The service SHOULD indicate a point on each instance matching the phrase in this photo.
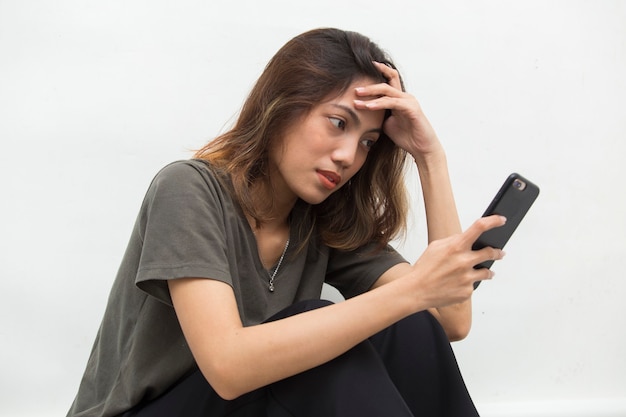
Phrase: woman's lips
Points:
(329, 179)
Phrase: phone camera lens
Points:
(519, 184)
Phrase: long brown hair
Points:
(304, 72)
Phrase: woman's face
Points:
(321, 151)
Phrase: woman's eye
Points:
(338, 123)
(368, 143)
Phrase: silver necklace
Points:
(273, 274)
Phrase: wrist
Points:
(430, 161)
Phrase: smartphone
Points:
(513, 201)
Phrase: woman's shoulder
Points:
(190, 177)
(187, 167)
(190, 171)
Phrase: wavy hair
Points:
(303, 73)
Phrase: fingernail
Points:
(360, 89)
(503, 219)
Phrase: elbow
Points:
(225, 392)
(456, 336)
(227, 395)
(455, 323)
(458, 332)
(223, 379)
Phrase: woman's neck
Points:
(275, 206)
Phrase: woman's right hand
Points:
(407, 125)
(446, 268)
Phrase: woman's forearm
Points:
(443, 221)
(237, 359)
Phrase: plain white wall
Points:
(96, 96)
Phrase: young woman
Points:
(215, 310)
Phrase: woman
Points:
(209, 314)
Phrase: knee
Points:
(299, 307)
(308, 305)
(415, 330)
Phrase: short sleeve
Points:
(354, 272)
(181, 229)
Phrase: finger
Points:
(483, 274)
(488, 254)
(391, 74)
(378, 90)
(379, 103)
(482, 225)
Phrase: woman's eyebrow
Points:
(354, 116)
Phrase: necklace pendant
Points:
(273, 274)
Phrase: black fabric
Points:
(407, 370)
(421, 363)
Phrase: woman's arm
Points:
(443, 221)
(410, 129)
(237, 359)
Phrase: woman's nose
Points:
(345, 153)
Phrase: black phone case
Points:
(512, 203)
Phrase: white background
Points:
(96, 96)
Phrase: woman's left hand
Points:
(407, 126)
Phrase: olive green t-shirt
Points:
(189, 226)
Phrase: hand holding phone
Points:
(512, 201)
